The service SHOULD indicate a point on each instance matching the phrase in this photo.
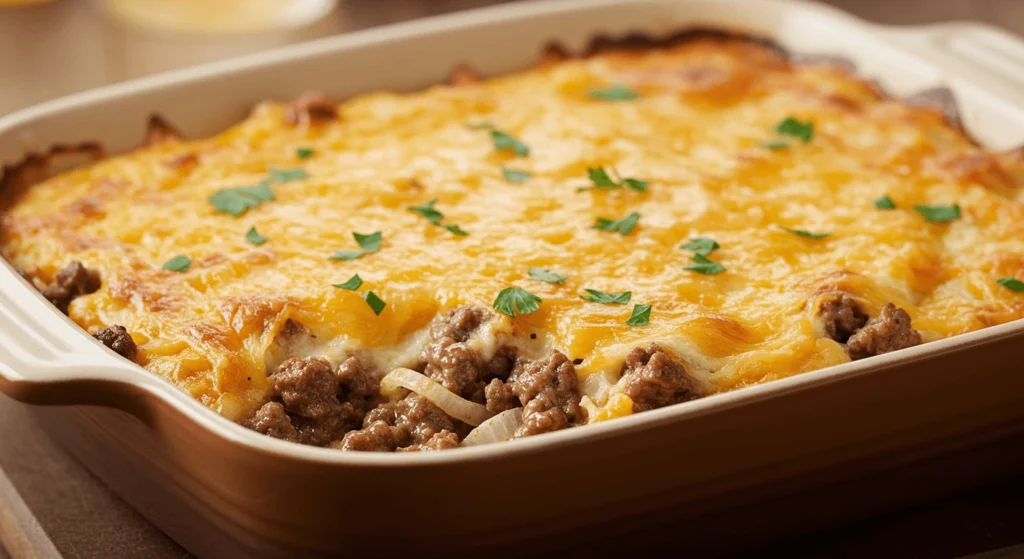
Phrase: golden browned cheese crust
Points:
(694, 133)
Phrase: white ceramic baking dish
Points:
(224, 491)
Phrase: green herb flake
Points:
(793, 127)
(236, 201)
(427, 210)
(375, 302)
(636, 184)
(703, 265)
(347, 254)
(601, 180)
(516, 300)
(179, 263)
(353, 283)
(546, 275)
(513, 175)
(368, 244)
(624, 226)
(1013, 284)
(884, 203)
(641, 315)
(613, 93)
(700, 245)
(939, 214)
(433, 216)
(254, 237)
(304, 153)
(455, 230)
(507, 142)
(774, 144)
(480, 126)
(287, 175)
(806, 234)
(595, 296)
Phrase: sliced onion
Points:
(496, 429)
(452, 404)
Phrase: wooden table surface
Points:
(65, 46)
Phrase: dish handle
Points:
(46, 359)
(982, 54)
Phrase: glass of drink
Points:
(218, 16)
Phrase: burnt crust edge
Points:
(36, 167)
(159, 131)
(640, 41)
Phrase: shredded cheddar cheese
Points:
(688, 122)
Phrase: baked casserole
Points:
(490, 259)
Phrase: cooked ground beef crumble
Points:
(842, 316)
(846, 322)
(654, 379)
(117, 338)
(889, 331)
(72, 281)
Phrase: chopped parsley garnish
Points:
(595, 296)
(774, 144)
(375, 302)
(544, 274)
(636, 184)
(793, 127)
(353, 283)
(304, 153)
(502, 140)
(703, 265)
(507, 142)
(287, 175)
(613, 93)
(236, 201)
(807, 234)
(884, 203)
(601, 180)
(179, 263)
(254, 237)
(428, 211)
(624, 226)
(516, 300)
(347, 254)
(1013, 284)
(368, 244)
(700, 245)
(641, 315)
(512, 175)
(454, 230)
(939, 214)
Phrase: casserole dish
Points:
(292, 500)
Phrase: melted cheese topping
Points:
(694, 134)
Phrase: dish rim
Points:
(167, 393)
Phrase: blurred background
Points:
(49, 48)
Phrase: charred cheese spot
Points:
(693, 132)
(159, 131)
